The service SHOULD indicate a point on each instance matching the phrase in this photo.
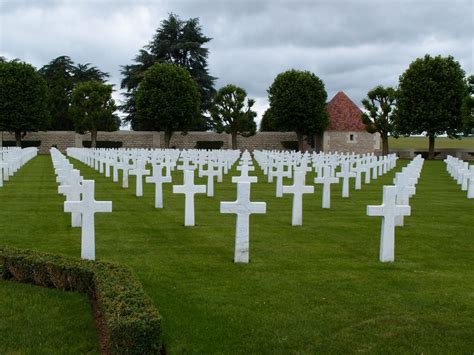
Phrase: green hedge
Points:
(128, 321)
(103, 144)
(290, 145)
(24, 144)
(209, 144)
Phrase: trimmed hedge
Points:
(127, 319)
(103, 144)
(24, 144)
(290, 145)
(209, 144)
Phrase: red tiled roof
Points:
(344, 115)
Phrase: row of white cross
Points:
(12, 159)
(395, 206)
(462, 173)
(80, 201)
(275, 164)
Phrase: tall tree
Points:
(467, 108)
(298, 103)
(86, 72)
(175, 42)
(232, 114)
(378, 117)
(23, 94)
(268, 124)
(167, 100)
(429, 98)
(92, 107)
(59, 74)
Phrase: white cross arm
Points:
(238, 208)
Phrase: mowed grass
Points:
(422, 143)
(309, 289)
(35, 320)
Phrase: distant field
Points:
(422, 143)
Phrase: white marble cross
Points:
(326, 180)
(280, 173)
(72, 191)
(87, 207)
(158, 179)
(298, 189)
(210, 172)
(345, 174)
(388, 210)
(189, 190)
(243, 208)
(405, 187)
(470, 185)
(139, 172)
(244, 174)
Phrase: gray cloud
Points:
(351, 45)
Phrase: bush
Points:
(209, 144)
(103, 144)
(24, 144)
(290, 145)
(128, 321)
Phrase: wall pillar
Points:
(156, 140)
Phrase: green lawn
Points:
(318, 288)
(422, 143)
(36, 320)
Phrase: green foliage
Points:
(167, 100)
(23, 94)
(231, 114)
(103, 144)
(93, 107)
(175, 42)
(298, 103)
(378, 117)
(24, 144)
(467, 108)
(290, 145)
(268, 122)
(429, 97)
(130, 321)
(62, 75)
(209, 145)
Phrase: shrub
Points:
(209, 144)
(290, 145)
(128, 320)
(103, 144)
(24, 144)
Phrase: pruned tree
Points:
(232, 113)
(378, 116)
(467, 108)
(93, 107)
(429, 99)
(167, 100)
(23, 95)
(298, 103)
(268, 124)
(176, 42)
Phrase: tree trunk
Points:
(234, 140)
(299, 136)
(168, 135)
(18, 138)
(93, 139)
(319, 142)
(431, 147)
(384, 144)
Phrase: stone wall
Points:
(357, 142)
(333, 141)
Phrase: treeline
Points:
(168, 88)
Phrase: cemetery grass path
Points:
(309, 289)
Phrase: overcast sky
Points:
(351, 45)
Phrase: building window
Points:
(351, 138)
